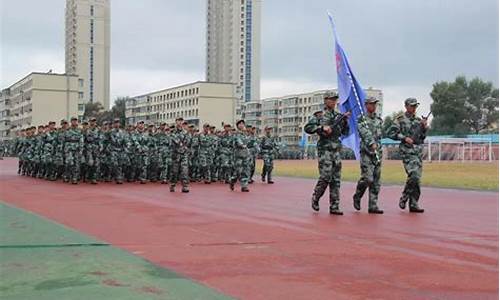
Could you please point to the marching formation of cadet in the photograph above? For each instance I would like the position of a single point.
(169, 154)
(330, 125)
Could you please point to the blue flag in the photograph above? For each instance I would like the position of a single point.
(351, 94)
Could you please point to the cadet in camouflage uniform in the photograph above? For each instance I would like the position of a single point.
(59, 151)
(370, 133)
(117, 146)
(194, 163)
(181, 144)
(140, 142)
(106, 171)
(213, 154)
(411, 131)
(226, 154)
(73, 151)
(49, 147)
(332, 126)
(92, 149)
(154, 155)
(254, 151)
(128, 163)
(268, 148)
(163, 140)
(242, 157)
(37, 152)
(83, 164)
(205, 154)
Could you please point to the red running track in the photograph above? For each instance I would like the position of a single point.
(269, 244)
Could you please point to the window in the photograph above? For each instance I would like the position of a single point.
(80, 95)
(81, 107)
(80, 82)
(92, 10)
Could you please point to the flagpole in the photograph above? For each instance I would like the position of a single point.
(358, 101)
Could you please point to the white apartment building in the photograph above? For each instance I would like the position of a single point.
(198, 103)
(233, 45)
(37, 99)
(289, 114)
(88, 48)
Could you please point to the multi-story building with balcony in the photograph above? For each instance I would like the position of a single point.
(37, 99)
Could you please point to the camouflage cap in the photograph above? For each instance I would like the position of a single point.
(105, 123)
(331, 95)
(93, 119)
(371, 100)
(227, 125)
(140, 122)
(240, 121)
(52, 123)
(116, 120)
(74, 119)
(316, 113)
(268, 127)
(151, 125)
(411, 102)
(63, 121)
(206, 125)
(163, 124)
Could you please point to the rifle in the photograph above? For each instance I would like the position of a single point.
(418, 132)
(374, 153)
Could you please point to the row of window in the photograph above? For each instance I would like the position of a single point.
(184, 114)
(173, 95)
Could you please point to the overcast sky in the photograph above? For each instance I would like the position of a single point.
(401, 47)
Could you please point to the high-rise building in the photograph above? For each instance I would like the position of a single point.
(233, 45)
(87, 48)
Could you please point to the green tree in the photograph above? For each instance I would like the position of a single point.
(118, 109)
(463, 107)
(388, 120)
(92, 109)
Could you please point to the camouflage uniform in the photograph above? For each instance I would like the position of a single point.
(164, 149)
(329, 161)
(140, 142)
(253, 146)
(407, 125)
(268, 148)
(116, 153)
(37, 155)
(226, 155)
(154, 157)
(73, 152)
(49, 147)
(92, 149)
(194, 159)
(205, 156)
(370, 132)
(59, 153)
(181, 145)
(215, 157)
(242, 160)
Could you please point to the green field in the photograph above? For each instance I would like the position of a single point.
(475, 175)
(40, 259)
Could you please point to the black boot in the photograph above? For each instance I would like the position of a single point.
(315, 204)
(375, 210)
(356, 202)
(416, 209)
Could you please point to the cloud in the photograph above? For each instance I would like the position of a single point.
(399, 46)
